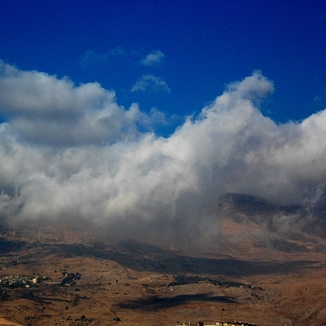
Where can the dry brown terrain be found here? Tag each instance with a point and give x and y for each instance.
(266, 280)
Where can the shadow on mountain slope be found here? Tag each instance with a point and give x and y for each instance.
(164, 261)
(9, 246)
(155, 303)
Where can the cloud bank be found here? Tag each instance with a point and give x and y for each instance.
(70, 151)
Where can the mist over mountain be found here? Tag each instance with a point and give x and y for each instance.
(290, 228)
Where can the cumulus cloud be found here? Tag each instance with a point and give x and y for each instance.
(154, 58)
(151, 83)
(46, 110)
(70, 151)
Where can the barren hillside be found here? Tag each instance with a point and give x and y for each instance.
(265, 267)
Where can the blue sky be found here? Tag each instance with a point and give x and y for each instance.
(139, 115)
(205, 45)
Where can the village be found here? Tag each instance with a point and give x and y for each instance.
(218, 323)
(15, 281)
(19, 281)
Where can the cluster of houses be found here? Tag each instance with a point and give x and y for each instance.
(19, 281)
(233, 323)
(220, 323)
(16, 281)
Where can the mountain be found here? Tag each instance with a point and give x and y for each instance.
(265, 265)
(290, 228)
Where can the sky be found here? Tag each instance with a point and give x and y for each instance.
(140, 114)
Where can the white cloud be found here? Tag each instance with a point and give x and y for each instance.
(46, 110)
(71, 151)
(154, 58)
(151, 83)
